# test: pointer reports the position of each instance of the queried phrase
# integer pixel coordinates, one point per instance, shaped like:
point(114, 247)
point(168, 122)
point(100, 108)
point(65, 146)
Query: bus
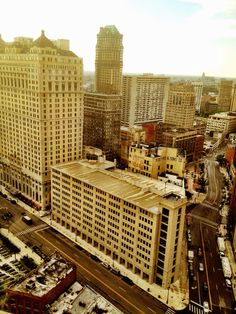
point(27, 220)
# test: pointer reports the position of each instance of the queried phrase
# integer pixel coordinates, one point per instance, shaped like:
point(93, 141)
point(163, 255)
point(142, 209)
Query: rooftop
point(137, 189)
point(82, 300)
point(45, 277)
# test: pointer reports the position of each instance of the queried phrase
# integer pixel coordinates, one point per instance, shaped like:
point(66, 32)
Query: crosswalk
point(170, 311)
point(31, 229)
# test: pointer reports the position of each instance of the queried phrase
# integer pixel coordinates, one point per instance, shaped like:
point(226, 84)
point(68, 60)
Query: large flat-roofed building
point(109, 61)
point(42, 286)
point(155, 161)
point(180, 108)
point(144, 99)
point(225, 94)
point(102, 123)
point(41, 114)
point(222, 122)
point(134, 222)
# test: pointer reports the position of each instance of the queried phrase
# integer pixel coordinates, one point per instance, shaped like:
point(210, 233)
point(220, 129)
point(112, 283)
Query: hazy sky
point(159, 36)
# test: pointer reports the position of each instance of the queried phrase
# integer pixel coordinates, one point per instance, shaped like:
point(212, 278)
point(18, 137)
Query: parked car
point(105, 265)
point(206, 307)
point(201, 267)
point(199, 252)
point(205, 287)
point(228, 283)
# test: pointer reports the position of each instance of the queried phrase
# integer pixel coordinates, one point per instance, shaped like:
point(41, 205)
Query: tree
point(221, 160)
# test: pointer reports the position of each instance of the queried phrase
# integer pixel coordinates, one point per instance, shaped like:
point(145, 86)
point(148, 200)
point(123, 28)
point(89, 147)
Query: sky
point(182, 37)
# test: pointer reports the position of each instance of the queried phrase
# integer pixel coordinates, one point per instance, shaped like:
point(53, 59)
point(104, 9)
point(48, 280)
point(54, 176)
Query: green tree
point(221, 160)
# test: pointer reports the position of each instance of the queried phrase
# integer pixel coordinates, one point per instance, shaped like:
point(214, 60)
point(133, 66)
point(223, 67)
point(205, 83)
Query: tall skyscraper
point(41, 115)
point(102, 109)
point(198, 86)
point(225, 94)
point(180, 109)
point(144, 99)
point(109, 61)
point(233, 99)
point(102, 123)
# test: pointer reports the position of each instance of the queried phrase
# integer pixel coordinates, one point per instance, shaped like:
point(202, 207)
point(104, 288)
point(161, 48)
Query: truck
point(226, 267)
point(190, 255)
point(221, 245)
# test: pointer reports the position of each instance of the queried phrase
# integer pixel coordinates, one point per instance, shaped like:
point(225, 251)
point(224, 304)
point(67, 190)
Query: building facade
point(129, 136)
point(102, 123)
point(225, 94)
point(133, 222)
point(180, 109)
point(198, 86)
point(41, 114)
point(233, 99)
point(222, 122)
point(144, 99)
point(187, 140)
point(109, 61)
point(155, 161)
point(42, 286)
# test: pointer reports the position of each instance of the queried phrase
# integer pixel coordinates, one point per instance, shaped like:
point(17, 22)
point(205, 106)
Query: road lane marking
point(122, 288)
point(213, 269)
point(91, 274)
point(151, 310)
point(98, 271)
point(204, 257)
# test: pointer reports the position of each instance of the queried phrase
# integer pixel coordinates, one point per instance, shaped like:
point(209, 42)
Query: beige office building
point(222, 122)
point(225, 94)
point(128, 137)
point(41, 114)
point(155, 161)
point(133, 222)
point(144, 99)
point(102, 123)
point(180, 109)
point(109, 61)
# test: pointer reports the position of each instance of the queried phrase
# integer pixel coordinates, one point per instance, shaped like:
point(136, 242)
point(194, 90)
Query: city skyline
point(181, 37)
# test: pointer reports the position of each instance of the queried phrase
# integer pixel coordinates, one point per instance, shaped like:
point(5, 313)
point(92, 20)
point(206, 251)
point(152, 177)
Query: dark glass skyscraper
point(109, 61)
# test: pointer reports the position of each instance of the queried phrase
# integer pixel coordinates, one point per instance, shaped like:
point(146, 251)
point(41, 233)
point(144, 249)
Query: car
point(199, 252)
point(95, 258)
point(191, 274)
point(115, 271)
point(234, 306)
point(190, 267)
point(228, 283)
point(206, 307)
point(105, 265)
point(127, 280)
point(201, 267)
point(4, 217)
point(205, 286)
point(9, 214)
point(189, 238)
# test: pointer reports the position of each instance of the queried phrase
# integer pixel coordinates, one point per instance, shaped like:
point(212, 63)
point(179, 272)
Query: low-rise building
point(223, 122)
point(154, 161)
point(129, 136)
point(188, 140)
point(133, 222)
point(42, 286)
